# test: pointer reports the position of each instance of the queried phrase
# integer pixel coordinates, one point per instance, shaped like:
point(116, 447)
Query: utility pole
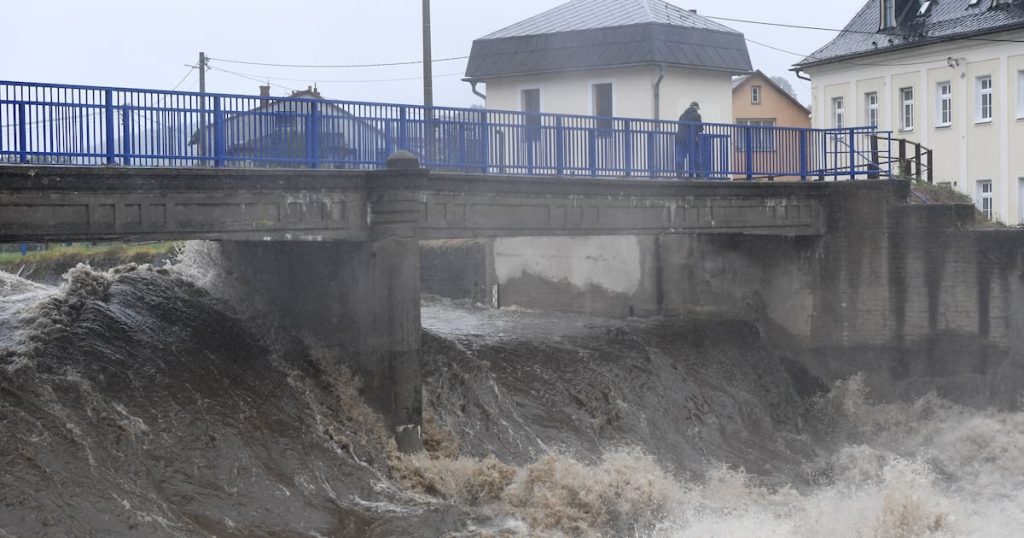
point(202, 73)
point(428, 87)
point(202, 108)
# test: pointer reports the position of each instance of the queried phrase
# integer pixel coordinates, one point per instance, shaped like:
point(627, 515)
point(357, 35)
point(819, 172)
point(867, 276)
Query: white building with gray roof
point(948, 74)
point(626, 58)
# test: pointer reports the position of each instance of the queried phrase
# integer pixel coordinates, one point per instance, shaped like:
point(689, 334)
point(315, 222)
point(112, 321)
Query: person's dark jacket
point(685, 130)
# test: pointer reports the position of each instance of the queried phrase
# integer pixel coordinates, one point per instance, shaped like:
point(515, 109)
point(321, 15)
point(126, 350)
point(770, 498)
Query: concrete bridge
point(336, 253)
point(847, 269)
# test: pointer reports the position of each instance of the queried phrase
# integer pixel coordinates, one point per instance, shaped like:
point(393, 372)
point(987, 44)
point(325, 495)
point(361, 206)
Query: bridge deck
point(122, 203)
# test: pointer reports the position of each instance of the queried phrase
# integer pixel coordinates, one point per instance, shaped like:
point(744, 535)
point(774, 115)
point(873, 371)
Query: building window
point(888, 15)
point(602, 97)
point(762, 137)
point(983, 109)
point(944, 113)
point(530, 103)
point(871, 108)
point(984, 199)
point(907, 109)
point(838, 112)
point(755, 95)
point(1020, 95)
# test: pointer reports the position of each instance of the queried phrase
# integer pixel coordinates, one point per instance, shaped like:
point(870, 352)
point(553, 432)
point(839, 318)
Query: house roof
point(944, 20)
point(738, 82)
point(584, 34)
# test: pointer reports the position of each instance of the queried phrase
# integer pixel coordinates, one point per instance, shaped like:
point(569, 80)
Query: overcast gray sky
point(147, 44)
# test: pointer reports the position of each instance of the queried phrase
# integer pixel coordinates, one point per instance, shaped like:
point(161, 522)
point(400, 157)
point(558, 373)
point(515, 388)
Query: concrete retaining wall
point(911, 295)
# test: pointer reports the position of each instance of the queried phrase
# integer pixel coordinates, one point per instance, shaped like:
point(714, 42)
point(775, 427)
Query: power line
point(184, 78)
point(341, 66)
point(347, 81)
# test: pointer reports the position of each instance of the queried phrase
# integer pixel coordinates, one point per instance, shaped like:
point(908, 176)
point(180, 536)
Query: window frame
point(839, 112)
point(981, 93)
point(1020, 94)
point(907, 121)
point(756, 94)
point(871, 109)
point(763, 139)
point(985, 198)
point(532, 122)
point(944, 104)
point(603, 122)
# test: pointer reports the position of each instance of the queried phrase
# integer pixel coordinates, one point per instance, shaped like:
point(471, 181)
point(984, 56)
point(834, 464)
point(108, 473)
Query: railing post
point(874, 157)
point(461, 154)
point(651, 137)
point(917, 161)
point(748, 140)
point(931, 167)
point(389, 142)
point(403, 128)
point(627, 147)
point(484, 141)
point(803, 155)
point(22, 134)
point(108, 113)
point(559, 146)
point(218, 133)
point(853, 155)
point(592, 150)
point(313, 135)
point(126, 134)
point(903, 158)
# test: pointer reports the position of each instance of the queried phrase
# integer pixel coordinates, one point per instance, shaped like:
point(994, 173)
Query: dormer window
point(925, 7)
point(888, 19)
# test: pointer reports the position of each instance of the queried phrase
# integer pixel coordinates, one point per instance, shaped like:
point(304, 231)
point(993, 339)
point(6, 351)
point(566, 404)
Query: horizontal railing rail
point(86, 125)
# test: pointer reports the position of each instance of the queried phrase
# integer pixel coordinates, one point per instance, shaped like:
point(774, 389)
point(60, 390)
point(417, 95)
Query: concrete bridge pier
point(360, 301)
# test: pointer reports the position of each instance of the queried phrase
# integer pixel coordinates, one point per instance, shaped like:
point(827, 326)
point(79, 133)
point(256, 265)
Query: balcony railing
point(85, 125)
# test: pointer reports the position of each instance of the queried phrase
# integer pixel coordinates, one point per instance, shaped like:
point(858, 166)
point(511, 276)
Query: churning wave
point(139, 402)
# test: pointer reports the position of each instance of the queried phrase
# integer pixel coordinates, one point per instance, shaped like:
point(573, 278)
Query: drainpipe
point(657, 91)
point(473, 84)
point(801, 76)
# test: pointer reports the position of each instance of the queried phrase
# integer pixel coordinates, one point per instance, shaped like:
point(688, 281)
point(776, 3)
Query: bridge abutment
point(359, 302)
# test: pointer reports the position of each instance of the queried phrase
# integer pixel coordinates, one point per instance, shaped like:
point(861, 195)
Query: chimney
point(265, 91)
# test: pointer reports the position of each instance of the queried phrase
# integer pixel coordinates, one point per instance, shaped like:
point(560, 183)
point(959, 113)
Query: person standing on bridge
point(688, 142)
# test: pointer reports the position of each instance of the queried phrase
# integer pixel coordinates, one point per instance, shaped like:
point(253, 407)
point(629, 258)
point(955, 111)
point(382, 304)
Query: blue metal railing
point(85, 125)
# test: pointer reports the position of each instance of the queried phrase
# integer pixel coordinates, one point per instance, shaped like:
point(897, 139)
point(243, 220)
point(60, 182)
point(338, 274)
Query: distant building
point(276, 131)
point(757, 100)
point(948, 74)
point(625, 58)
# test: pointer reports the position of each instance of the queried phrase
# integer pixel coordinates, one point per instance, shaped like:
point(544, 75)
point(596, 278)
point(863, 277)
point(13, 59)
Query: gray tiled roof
point(945, 20)
point(586, 34)
point(591, 14)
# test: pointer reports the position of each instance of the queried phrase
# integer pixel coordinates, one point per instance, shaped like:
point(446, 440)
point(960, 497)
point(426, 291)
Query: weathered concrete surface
point(357, 301)
point(98, 203)
point(910, 295)
point(101, 203)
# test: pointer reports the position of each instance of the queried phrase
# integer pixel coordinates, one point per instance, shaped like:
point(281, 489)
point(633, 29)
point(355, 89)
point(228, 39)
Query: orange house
point(758, 101)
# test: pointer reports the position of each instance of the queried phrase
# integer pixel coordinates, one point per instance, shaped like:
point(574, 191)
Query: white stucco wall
point(571, 92)
point(611, 263)
point(967, 151)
